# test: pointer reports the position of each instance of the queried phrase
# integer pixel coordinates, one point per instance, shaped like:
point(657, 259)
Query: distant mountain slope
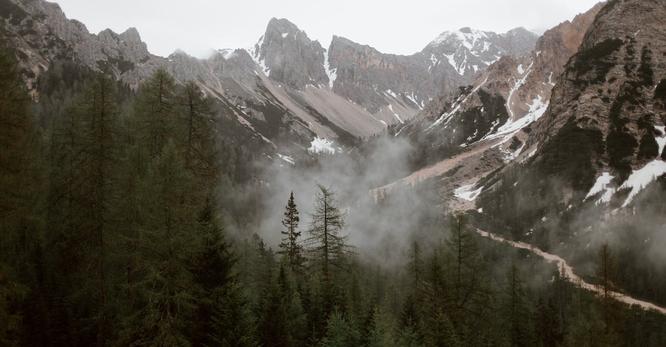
point(287, 88)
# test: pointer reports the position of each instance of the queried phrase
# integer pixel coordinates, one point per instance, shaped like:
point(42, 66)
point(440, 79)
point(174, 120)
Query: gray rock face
point(288, 56)
point(614, 86)
point(124, 55)
point(365, 75)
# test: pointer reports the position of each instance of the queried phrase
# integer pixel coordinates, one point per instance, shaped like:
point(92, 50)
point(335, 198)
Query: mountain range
point(287, 88)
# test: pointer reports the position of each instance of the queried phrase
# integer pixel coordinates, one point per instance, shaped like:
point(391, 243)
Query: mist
point(379, 229)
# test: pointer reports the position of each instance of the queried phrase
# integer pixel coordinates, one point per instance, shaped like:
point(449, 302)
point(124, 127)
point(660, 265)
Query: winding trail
point(567, 272)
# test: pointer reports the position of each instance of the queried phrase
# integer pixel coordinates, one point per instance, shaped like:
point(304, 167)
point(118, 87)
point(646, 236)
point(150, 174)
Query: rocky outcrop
point(366, 75)
point(45, 34)
point(610, 87)
point(288, 56)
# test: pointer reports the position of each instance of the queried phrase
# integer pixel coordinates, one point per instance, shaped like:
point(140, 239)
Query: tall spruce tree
point(290, 246)
point(220, 316)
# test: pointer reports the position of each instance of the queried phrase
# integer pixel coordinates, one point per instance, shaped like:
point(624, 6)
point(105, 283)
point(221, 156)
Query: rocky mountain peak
point(469, 50)
point(131, 35)
point(287, 55)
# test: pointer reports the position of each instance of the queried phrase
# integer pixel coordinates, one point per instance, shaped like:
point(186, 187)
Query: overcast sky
point(392, 26)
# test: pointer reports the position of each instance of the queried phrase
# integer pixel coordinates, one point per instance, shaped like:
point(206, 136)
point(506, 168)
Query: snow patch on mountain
point(397, 116)
point(603, 184)
point(537, 109)
point(287, 158)
point(320, 145)
point(642, 177)
point(468, 192)
point(637, 181)
point(227, 53)
point(515, 88)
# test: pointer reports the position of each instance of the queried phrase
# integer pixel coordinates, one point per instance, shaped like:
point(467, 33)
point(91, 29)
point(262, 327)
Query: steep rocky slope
point(287, 88)
point(592, 171)
point(504, 100)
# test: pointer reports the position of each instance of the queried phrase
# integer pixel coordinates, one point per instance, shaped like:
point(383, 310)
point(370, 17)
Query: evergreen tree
point(465, 280)
point(328, 247)
point(200, 144)
point(384, 331)
point(81, 200)
point(220, 316)
point(100, 105)
point(18, 186)
point(166, 294)
point(155, 110)
point(340, 333)
point(515, 311)
point(290, 247)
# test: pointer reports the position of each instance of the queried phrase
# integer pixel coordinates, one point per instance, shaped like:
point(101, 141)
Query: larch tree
point(155, 110)
point(198, 127)
point(99, 108)
point(327, 246)
point(463, 249)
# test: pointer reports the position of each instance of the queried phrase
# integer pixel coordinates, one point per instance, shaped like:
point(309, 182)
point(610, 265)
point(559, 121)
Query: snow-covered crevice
point(537, 109)
point(332, 73)
point(397, 116)
point(412, 98)
point(256, 56)
point(515, 88)
point(456, 106)
point(567, 272)
point(459, 67)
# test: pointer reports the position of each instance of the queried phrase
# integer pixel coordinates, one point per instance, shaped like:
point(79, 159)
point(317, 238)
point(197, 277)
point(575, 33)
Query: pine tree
point(290, 247)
